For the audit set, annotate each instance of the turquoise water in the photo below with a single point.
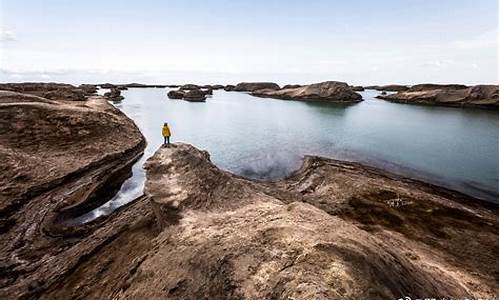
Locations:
(267, 138)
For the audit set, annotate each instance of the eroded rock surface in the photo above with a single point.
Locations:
(59, 159)
(484, 96)
(332, 91)
(332, 230)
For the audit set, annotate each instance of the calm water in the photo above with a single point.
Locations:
(267, 138)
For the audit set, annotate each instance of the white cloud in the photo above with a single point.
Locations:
(7, 35)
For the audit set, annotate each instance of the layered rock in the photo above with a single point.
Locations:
(52, 91)
(332, 91)
(59, 159)
(253, 86)
(332, 230)
(482, 96)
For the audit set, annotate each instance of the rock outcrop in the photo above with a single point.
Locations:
(52, 91)
(482, 96)
(190, 93)
(357, 88)
(59, 159)
(388, 88)
(332, 91)
(229, 88)
(114, 94)
(291, 86)
(253, 86)
(332, 230)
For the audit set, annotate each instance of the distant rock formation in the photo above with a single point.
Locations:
(190, 87)
(481, 96)
(357, 88)
(114, 94)
(332, 91)
(175, 94)
(52, 91)
(229, 88)
(291, 86)
(190, 93)
(253, 86)
(388, 88)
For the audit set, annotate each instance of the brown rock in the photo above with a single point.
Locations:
(114, 94)
(189, 87)
(291, 86)
(481, 96)
(59, 159)
(53, 91)
(195, 95)
(388, 88)
(229, 88)
(176, 94)
(332, 91)
(332, 230)
(430, 86)
(253, 86)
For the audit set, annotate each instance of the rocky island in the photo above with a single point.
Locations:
(331, 91)
(482, 96)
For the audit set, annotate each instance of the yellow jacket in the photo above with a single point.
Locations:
(165, 131)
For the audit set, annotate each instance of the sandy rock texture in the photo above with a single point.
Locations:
(332, 91)
(482, 96)
(332, 230)
(59, 159)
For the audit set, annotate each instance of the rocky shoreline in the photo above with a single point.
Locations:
(331, 230)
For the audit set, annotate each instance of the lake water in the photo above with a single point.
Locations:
(266, 138)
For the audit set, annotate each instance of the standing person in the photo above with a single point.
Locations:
(165, 131)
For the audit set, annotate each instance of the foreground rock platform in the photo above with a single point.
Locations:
(332, 230)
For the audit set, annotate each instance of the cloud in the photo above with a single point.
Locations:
(7, 35)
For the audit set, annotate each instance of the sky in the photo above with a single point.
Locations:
(361, 42)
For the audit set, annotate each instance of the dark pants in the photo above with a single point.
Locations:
(166, 140)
